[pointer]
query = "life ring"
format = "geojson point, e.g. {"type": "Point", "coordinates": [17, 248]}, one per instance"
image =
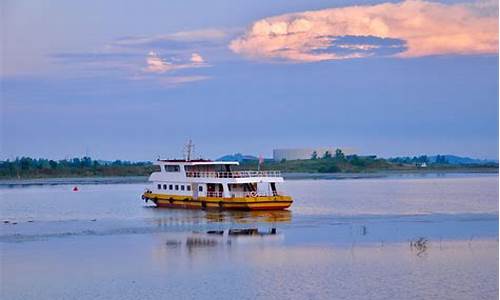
{"type": "Point", "coordinates": [253, 194]}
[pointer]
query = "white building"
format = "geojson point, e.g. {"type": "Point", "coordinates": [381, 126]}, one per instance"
{"type": "Point", "coordinates": [306, 153]}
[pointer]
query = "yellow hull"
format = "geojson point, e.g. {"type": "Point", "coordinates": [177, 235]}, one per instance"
{"type": "Point", "coordinates": [244, 203]}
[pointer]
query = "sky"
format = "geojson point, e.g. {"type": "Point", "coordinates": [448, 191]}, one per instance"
{"type": "Point", "coordinates": [135, 80]}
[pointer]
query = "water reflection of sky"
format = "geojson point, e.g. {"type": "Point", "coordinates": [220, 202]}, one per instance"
{"type": "Point", "coordinates": [404, 238]}
{"type": "Point", "coordinates": [149, 266]}
{"type": "Point", "coordinates": [387, 196]}
{"type": "Point", "coordinates": [324, 211]}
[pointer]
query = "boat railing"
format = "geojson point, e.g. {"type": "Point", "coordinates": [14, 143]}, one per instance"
{"type": "Point", "coordinates": [252, 194]}
{"type": "Point", "coordinates": [214, 194]}
{"type": "Point", "coordinates": [234, 174]}
{"type": "Point", "coordinates": [243, 194]}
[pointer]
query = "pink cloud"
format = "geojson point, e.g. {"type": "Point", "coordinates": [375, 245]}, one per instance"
{"type": "Point", "coordinates": [178, 80]}
{"type": "Point", "coordinates": [426, 28]}
{"type": "Point", "coordinates": [163, 72]}
{"type": "Point", "coordinates": [156, 64]}
{"type": "Point", "coordinates": [196, 58]}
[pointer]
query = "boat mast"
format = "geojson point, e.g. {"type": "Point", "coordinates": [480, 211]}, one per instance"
{"type": "Point", "coordinates": [189, 150]}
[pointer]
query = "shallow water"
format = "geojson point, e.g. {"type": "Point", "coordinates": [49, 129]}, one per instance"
{"type": "Point", "coordinates": [432, 237]}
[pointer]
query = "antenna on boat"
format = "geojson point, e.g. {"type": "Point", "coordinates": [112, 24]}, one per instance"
{"type": "Point", "coordinates": [189, 150]}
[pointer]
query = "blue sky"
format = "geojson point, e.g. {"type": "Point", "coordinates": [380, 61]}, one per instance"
{"type": "Point", "coordinates": [135, 80]}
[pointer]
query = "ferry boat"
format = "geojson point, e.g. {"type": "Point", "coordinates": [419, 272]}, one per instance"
{"type": "Point", "coordinates": [206, 184]}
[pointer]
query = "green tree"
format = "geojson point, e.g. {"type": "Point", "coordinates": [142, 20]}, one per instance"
{"type": "Point", "coordinates": [43, 164]}
{"type": "Point", "coordinates": [327, 155]}
{"type": "Point", "coordinates": [441, 159]}
{"type": "Point", "coordinates": [75, 162]}
{"type": "Point", "coordinates": [26, 163]}
{"type": "Point", "coordinates": [423, 159]}
{"type": "Point", "coordinates": [86, 162]}
{"type": "Point", "coordinates": [356, 160]}
{"type": "Point", "coordinates": [339, 154]}
{"type": "Point", "coordinates": [53, 164]}
{"type": "Point", "coordinates": [314, 155]}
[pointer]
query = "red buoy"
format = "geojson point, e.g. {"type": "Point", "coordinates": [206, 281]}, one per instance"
{"type": "Point", "coordinates": [75, 189]}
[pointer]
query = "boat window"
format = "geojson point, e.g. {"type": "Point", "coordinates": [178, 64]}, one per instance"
{"type": "Point", "coordinates": [170, 187]}
{"type": "Point", "coordinates": [176, 187]}
{"type": "Point", "coordinates": [182, 187]}
{"type": "Point", "coordinates": [164, 186]}
{"type": "Point", "coordinates": [200, 188]}
{"type": "Point", "coordinates": [188, 187]}
{"type": "Point", "coordinates": [172, 168]}
{"type": "Point", "coordinates": [159, 186]}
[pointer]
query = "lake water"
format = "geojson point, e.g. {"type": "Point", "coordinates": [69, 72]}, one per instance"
{"type": "Point", "coordinates": [406, 237]}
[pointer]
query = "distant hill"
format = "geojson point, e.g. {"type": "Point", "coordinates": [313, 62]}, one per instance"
{"type": "Point", "coordinates": [460, 160]}
{"type": "Point", "coordinates": [444, 159]}
{"type": "Point", "coordinates": [237, 157]}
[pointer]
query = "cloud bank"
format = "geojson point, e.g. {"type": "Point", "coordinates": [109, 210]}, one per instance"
{"type": "Point", "coordinates": [138, 58]}
{"type": "Point", "coordinates": [406, 29]}
{"type": "Point", "coordinates": [182, 49]}
{"type": "Point", "coordinates": [178, 41]}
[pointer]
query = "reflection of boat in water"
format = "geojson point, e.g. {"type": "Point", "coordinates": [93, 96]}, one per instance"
{"type": "Point", "coordinates": [214, 184]}
{"type": "Point", "coordinates": [242, 217]}
{"type": "Point", "coordinates": [196, 218]}
{"type": "Point", "coordinates": [215, 238]}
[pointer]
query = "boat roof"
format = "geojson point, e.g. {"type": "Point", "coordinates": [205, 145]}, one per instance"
{"type": "Point", "coordinates": [195, 162]}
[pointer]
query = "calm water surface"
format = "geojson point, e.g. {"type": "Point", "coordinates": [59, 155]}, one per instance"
{"type": "Point", "coordinates": [432, 237]}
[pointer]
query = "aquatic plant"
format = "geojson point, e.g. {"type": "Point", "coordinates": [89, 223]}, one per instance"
{"type": "Point", "coordinates": [420, 245]}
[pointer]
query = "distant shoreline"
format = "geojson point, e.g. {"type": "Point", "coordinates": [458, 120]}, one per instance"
{"type": "Point", "coordinates": [338, 166]}
{"type": "Point", "coordinates": [72, 180]}
{"type": "Point", "coordinates": [389, 173]}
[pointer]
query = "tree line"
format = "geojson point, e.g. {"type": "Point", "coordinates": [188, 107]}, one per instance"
{"type": "Point", "coordinates": [24, 167]}
{"type": "Point", "coordinates": [440, 159]}
{"type": "Point", "coordinates": [327, 155]}
{"type": "Point", "coordinates": [326, 163]}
